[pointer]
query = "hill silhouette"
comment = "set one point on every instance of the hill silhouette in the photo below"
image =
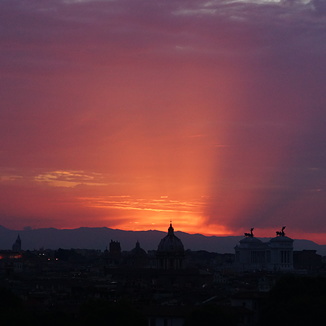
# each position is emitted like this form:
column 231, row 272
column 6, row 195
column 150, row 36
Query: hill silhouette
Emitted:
column 99, row 238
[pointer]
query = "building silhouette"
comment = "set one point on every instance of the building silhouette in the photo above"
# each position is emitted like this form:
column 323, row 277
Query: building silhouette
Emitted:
column 167, row 286
column 17, row 246
column 113, row 255
column 307, row 260
column 275, row 255
column 137, row 257
column 170, row 252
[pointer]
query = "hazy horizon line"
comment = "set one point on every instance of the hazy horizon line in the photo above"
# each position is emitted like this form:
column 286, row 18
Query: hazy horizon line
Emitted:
column 29, row 228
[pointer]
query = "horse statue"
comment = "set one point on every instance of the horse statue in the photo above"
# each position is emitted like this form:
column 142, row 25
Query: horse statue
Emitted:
column 281, row 233
column 249, row 234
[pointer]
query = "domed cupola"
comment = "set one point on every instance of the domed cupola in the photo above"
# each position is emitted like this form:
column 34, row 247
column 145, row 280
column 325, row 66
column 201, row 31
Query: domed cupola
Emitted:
column 171, row 243
column 170, row 251
column 138, row 256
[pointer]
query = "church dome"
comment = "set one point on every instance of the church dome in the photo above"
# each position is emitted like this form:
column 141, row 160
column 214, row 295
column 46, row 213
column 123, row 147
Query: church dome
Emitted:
column 138, row 257
column 170, row 243
column 138, row 251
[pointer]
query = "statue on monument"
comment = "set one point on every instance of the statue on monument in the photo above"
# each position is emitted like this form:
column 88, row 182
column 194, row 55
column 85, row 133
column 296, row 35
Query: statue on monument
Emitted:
column 250, row 234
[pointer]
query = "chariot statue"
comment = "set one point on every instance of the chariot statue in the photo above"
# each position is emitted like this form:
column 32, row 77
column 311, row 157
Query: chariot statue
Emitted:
column 281, row 233
column 249, row 234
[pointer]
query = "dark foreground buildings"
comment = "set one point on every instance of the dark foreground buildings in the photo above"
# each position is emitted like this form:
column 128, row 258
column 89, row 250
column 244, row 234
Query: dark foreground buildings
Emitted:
column 263, row 283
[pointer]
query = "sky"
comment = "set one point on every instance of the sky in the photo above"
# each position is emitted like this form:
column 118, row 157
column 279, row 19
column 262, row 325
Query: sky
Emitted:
column 130, row 114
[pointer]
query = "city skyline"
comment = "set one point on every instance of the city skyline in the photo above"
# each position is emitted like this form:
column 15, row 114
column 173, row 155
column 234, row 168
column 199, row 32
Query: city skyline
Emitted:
column 131, row 114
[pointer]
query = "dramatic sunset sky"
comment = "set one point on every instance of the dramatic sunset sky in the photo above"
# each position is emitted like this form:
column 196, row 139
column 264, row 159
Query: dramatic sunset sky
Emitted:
column 131, row 113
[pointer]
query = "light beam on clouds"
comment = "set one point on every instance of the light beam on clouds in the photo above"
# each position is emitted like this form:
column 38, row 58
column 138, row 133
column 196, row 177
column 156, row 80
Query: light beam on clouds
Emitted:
column 133, row 113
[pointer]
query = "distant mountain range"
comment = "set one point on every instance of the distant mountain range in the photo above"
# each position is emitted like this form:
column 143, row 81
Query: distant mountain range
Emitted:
column 99, row 238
